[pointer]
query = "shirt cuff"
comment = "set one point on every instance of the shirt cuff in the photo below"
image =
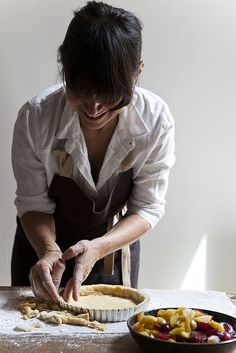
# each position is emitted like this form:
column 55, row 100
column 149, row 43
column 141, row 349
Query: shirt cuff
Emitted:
column 35, row 203
column 152, row 216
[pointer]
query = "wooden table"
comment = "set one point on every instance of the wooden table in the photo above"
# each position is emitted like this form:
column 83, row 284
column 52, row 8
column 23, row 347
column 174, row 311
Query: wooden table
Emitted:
column 116, row 339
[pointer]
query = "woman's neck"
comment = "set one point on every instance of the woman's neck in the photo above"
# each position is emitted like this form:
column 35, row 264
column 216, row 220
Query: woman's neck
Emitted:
column 104, row 131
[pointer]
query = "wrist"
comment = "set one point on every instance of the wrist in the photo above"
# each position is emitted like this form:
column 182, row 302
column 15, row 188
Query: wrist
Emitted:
column 98, row 246
column 49, row 250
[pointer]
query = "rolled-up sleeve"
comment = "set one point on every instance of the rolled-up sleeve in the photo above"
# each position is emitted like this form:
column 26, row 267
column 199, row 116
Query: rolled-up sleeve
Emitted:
column 150, row 184
column 29, row 172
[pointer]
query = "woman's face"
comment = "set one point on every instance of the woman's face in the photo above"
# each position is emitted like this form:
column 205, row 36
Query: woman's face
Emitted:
column 94, row 114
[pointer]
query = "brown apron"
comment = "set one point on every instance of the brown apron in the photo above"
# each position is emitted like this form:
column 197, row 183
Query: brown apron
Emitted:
column 76, row 218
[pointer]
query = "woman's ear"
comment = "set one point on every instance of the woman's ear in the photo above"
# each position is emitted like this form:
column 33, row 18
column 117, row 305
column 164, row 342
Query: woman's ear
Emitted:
column 141, row 67
column 140, row 70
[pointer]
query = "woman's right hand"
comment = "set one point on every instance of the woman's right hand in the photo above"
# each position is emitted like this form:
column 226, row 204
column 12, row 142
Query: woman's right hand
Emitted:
column 45, row 276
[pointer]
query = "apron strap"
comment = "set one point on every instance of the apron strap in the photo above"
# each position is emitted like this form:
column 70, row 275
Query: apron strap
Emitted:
column 125, row 252
column 109, row 259
column 126, row 266
column 125, row 258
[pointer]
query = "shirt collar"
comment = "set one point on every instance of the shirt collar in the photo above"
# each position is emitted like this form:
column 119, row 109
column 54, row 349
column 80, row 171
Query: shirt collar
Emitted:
column 69, row 123
column 132, row 116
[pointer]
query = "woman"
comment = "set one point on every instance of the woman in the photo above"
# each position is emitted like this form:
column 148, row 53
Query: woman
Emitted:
column 91, row 159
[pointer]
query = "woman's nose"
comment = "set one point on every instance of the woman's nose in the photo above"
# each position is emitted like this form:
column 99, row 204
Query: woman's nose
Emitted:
column 94, row 108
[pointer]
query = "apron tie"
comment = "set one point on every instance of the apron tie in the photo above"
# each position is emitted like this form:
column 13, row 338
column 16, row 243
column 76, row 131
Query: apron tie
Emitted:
column 125, row 258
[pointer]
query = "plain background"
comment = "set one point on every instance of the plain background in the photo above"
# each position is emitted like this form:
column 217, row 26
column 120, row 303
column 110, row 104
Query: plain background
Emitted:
column 189, row 52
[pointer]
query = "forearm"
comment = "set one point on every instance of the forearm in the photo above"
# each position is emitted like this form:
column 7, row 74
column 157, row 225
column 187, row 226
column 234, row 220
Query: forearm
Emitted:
column 40, row 230
column 125, row 232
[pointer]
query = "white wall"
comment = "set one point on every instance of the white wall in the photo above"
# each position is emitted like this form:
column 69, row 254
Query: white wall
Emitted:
column 190, row 54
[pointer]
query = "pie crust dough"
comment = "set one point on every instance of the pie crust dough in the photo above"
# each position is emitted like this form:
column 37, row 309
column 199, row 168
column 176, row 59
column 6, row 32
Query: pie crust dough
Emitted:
column 107, row 303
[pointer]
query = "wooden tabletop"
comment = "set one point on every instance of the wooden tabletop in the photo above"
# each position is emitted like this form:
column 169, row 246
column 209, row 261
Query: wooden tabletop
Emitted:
column 69, row 339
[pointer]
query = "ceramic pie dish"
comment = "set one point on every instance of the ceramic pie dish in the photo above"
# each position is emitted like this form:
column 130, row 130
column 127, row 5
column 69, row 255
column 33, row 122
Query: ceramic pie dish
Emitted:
column 107, row 303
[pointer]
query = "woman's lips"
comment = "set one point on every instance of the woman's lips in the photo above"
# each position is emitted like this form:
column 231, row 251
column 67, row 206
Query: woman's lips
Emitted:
column 95, row 118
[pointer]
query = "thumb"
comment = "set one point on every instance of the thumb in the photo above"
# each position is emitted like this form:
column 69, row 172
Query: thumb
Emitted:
column 73, row 251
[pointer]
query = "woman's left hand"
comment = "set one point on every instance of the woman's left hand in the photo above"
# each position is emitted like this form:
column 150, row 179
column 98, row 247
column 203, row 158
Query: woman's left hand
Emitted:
column 86, row 253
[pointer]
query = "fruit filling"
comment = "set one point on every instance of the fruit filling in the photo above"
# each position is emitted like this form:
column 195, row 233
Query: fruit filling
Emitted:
column 183, row 325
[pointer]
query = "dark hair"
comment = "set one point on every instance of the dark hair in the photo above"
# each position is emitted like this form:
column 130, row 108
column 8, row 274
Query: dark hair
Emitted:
column 101, row 53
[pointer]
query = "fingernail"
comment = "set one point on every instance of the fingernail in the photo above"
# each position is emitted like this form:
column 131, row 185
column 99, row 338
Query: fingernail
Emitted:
column 75, row 297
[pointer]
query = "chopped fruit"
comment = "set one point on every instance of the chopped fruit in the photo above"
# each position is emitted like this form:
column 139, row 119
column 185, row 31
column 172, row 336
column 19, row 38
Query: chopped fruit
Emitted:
column 227, row 327
column 160, row 320
column 184, row 325
column 203, row 326
column 203, row 318
column 165, row 327
column 227, row 336
column 217, row 326
column 163, row 336
column 148, row 321
column 213, row 339
column 198, row 337
column 140, row 316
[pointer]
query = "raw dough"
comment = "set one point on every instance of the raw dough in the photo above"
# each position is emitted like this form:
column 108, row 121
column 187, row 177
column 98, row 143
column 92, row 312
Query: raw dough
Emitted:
column 28, row 328
column 107, row 297
column 102, row 302
column 32, row 307
column 59, row 318
column 107, row 303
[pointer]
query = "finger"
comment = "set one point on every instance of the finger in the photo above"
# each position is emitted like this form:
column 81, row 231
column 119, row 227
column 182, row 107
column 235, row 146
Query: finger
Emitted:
column 67, row 291
column 78, row 276
column 37, row 287
column 57, row 273
column 73, row 251
column 49, row 286
column 76, row 288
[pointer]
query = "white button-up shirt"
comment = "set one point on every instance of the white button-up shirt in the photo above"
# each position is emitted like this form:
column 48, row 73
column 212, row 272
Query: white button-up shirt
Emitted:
column 145, row 132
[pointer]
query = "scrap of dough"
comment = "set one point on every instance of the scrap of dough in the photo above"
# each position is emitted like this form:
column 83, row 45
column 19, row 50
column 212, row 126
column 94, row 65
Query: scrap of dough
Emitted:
column 32, row 307
column 59, row 318
column 28, row 328
column 28, row 313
